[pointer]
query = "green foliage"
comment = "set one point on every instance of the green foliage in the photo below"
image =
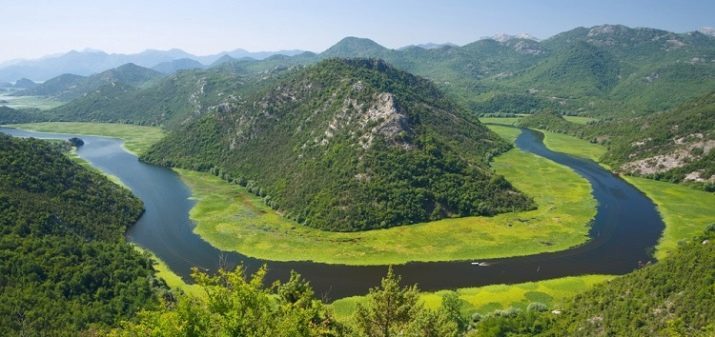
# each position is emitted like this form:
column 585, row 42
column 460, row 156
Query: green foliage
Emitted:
column 64, row 265
column 393, row 310
column 674, row 297
column 350, row 145
column 235, row 305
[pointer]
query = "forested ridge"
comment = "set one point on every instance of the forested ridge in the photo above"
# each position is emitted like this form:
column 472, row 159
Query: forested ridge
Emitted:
column 349, row 145
column 64, row 264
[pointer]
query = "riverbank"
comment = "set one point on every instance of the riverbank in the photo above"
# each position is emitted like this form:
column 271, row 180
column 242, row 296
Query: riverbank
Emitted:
column 137, row 139
column 487, row 299
column 686, row 211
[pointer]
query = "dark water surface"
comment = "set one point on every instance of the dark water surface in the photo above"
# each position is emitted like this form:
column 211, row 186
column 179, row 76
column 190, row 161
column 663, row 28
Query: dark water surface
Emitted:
column 623, row 234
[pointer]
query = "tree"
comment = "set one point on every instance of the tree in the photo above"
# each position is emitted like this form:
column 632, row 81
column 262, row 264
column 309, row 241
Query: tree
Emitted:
column 392, row 310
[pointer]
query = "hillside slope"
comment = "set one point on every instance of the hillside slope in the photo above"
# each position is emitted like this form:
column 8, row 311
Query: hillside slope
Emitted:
column 64, row 264
column 169, row 101
column 349, row 145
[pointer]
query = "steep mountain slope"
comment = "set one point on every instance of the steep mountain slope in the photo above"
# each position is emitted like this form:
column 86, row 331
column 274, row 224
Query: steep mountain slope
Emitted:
column 167, row 101
column 356, row 47
column 64, row 264
column 587, row 69
column 68, row 86
column 60, row 86
column 674, row 297
column 349, row 145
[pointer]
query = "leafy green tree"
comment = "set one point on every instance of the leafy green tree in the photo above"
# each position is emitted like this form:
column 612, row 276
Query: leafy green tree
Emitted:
column 393, row 310
column 236, row 305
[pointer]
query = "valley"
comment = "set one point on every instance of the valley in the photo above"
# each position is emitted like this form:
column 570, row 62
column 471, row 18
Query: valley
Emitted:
column 436, row 185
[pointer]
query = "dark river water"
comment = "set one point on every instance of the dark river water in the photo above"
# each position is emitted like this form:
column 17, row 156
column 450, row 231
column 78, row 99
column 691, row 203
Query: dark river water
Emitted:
column 623, row 234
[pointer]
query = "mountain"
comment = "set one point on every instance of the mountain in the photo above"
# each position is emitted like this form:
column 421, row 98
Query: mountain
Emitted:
column 68, row 86
column 55, row 87
column 88, row 62
column 167, row 101
column 348, row 145
column 223, row 59
column 84, row 63
column 430, row 45
column 173, row 66
column 588, row 70
column 24, row 83
column 506, row 37
column 356, row 47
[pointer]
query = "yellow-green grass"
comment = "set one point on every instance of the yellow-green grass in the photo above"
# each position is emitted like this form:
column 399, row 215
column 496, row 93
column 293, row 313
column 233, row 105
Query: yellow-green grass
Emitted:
column 137, row 139
column 579, row 119
column 496, row 297
column 174, row 281
column 25, row 102
column 685, row 211
column 560, row 142
column 509, row 133
column 77, row 159
column 230, row 218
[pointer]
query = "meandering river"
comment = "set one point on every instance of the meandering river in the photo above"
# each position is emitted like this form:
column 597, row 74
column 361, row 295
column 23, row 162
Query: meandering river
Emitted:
column 625, row 230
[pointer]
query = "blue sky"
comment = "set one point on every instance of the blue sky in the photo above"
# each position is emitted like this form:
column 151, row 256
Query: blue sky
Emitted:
column 33, row 28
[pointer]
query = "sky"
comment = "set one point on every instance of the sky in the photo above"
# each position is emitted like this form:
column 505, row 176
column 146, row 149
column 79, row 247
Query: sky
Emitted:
column 34, row 28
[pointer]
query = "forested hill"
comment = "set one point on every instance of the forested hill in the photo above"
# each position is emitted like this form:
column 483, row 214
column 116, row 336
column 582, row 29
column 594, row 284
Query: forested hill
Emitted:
column 349, row 145
column 676, row 145
column 64, row 264
column 68, row 86
column 674, row 297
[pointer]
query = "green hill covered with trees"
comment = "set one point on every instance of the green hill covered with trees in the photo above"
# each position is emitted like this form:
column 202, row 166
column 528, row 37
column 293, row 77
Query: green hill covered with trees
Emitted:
column 64, row 264
column 349, row 145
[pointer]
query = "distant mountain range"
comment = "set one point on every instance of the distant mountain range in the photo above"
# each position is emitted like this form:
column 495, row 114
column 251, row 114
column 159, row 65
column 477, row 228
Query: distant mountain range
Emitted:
column 88, row 62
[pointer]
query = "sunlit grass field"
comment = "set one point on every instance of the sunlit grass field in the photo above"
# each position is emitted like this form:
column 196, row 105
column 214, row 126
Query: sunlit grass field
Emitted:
column 230, row 218
column 30, row 102
column 137, row 139
column 496, row 297
column 685, row 211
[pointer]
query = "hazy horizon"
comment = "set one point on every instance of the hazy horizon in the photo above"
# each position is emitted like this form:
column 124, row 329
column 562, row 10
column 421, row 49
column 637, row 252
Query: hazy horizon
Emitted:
column 35, row 29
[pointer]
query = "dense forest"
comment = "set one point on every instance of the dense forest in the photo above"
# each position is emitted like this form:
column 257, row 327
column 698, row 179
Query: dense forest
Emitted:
column 64, row 264
column 350, row 145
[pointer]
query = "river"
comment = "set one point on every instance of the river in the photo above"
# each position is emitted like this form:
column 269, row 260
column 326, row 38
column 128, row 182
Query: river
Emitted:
column 623, row 233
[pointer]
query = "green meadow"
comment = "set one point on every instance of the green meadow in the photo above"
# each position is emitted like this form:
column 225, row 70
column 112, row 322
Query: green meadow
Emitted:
column 137, row 139
column 496, row 297
column 30, row 102
column 686, row 211
column 231, row 218
column 574, row 146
